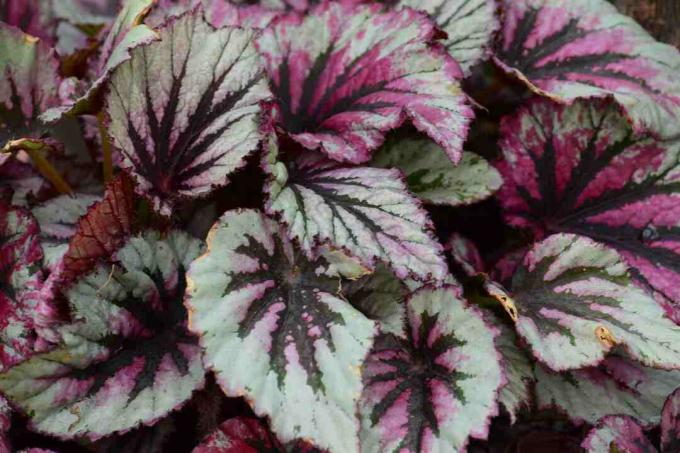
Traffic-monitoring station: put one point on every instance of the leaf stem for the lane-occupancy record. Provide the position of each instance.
(107, 159)
(35, 150)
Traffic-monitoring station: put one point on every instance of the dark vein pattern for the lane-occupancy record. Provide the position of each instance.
(127, 353)
(419, 389)
(582, 169)
(184, 110)
(578, 48)
(368, 211)
(276, 329)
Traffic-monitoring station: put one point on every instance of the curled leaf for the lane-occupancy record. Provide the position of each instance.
(127, 354)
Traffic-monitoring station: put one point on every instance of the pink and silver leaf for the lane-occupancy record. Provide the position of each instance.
(575, 301)
(380, 296)
(276, 329)
(568, 49)
(126, 356)
(184, 110)
(616, 386)
(670, 423)
(371, 69)
(617, 433)
(582, 169)
(29, 84)
(365, 210)
(34, 17)
(470, 26)
(20, 281)
(435, 388)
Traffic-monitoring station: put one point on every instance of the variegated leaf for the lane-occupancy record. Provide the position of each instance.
(616, 386)
(617, 433)
(5, 424)
(58, 218)
(577, 48)
(28, 86)
(20, 279)
(126, 33)
(670, 423)
(276, 329)
(575, 302)
(369, 69)
(431, 391)
(127, 357)
(582, 169)
(516, 393)
(364, 210)
(184, 110)
(433, 177)
(470, 26)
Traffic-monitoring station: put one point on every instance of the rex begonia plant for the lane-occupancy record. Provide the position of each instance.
(341, 226)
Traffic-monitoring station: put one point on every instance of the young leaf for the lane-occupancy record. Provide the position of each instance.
(184, 110)
(20, 256)
(576, 48)
(127, 358)
(275, 329)
(431, 391)
(126, 33)
(104, 228)
(58, 218)
(366, 211)
(617, 433)
(239, 435)
(581, 169)
(369, 70)
(470, 26)
(434, 178)
(29, 84)
(575, 301)
(670, 423)
(616, 386)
